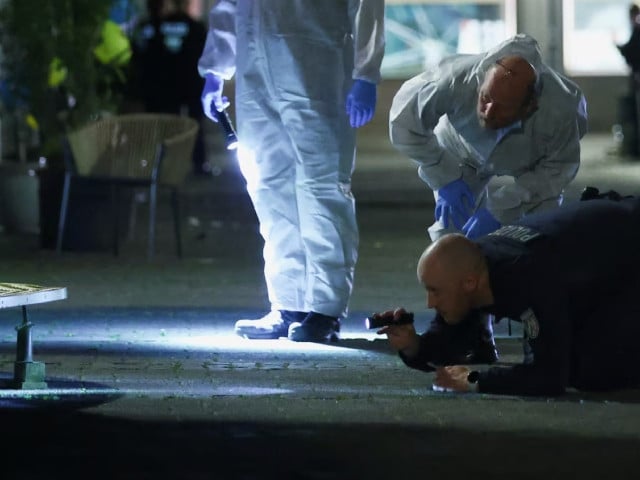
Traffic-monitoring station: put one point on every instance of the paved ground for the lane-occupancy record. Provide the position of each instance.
(147, 379)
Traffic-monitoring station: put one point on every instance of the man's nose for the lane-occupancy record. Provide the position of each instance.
(488, 109)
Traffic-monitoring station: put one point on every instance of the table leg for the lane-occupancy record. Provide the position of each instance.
(27, 374)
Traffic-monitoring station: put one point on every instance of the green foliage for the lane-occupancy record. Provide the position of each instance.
(36, 34)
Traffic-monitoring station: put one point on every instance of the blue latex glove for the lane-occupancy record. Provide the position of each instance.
(211, 97)
(455, 203)
(361, 103)
(480, 223)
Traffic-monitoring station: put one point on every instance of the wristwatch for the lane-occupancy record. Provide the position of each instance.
(472, 379)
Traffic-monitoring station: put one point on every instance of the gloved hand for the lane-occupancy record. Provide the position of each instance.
(455, 202)
(480, 223)
(361, 102)
(211, 97)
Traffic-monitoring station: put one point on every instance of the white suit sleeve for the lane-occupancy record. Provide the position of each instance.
(219, 53)
(367, 19)
(545, 182)
(415, 112)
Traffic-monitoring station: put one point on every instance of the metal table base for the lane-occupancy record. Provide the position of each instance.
(27, 373)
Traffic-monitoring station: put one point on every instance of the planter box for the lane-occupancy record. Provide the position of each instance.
(19, 203)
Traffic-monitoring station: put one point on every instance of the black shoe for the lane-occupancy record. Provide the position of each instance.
(315, 328)
(592, 193)
(273, 325)
(484, 353)
(589, 193)
(485, 350)
(469, 342)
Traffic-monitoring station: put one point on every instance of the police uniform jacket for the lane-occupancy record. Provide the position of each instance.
(550, 271)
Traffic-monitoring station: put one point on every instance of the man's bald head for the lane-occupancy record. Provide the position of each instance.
(508, 92)
(454, 253)
(518, 76)
(452, 270)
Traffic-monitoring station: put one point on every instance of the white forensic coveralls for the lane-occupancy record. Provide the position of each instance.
(294, 62)
(433, 120)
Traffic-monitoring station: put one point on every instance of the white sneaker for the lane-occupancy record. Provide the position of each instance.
(274, 324)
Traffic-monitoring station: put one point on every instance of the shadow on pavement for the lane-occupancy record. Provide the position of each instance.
(83, 445)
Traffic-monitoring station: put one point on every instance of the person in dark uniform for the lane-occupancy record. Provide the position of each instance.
(166, 49)
(570, 275)
(631, 49)
(631, 53)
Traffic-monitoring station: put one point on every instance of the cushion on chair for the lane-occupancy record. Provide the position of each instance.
(128, 147)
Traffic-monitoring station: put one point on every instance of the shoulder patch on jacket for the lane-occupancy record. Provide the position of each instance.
(530, 324)
(519, 233)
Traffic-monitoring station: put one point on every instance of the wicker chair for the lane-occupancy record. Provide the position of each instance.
(131, 151)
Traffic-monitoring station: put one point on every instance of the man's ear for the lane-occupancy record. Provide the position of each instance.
(470, 283)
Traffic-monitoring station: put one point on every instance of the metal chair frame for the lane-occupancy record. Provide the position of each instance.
(114, 150)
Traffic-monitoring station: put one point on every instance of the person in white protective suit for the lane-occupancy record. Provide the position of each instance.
(474, 118)
(306, 75)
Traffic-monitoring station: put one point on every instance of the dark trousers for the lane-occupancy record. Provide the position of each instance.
(606, 349)
(635, 95)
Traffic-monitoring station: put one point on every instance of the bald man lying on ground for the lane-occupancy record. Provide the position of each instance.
(473, 118)
(570, 275)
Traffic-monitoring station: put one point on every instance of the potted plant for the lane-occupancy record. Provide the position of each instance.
(63, 64)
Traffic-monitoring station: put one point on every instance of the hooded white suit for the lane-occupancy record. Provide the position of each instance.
(433, 120)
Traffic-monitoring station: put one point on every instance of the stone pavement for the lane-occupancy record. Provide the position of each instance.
(147, 380)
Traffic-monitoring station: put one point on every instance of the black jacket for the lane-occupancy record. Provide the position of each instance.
(631, 50)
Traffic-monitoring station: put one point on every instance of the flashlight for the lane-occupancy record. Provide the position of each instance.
(230, 137)
(379, 322)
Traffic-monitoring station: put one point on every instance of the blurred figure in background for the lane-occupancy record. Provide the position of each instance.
(630, 108)
(166, 48)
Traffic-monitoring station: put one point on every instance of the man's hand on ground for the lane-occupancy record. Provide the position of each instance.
(453, 379)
